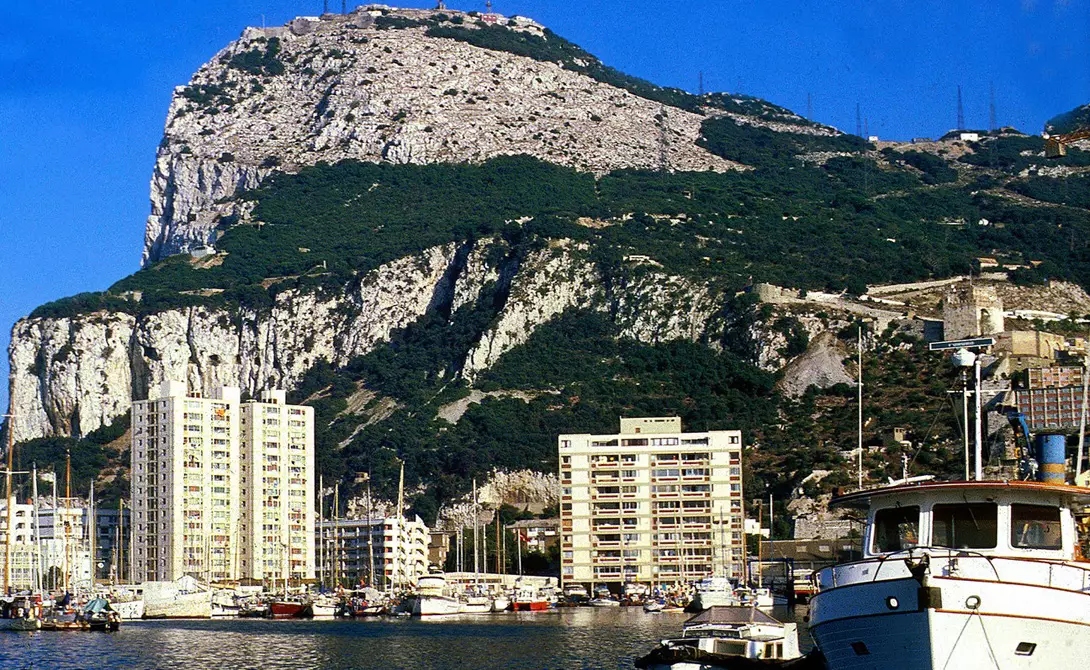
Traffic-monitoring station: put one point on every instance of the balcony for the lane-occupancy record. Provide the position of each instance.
(602, 465)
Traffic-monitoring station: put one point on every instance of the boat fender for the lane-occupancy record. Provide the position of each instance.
(929, 597)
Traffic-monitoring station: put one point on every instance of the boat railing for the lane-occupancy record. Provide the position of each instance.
(946, 562)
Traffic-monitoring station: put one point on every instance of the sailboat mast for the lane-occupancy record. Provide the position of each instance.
(91, 531)
(859, 386)
(11, 505)
(120, 553)
(321, 532)
(37, 529)
(67, 518)
(476, 540)
(370, 539)
(400, 521)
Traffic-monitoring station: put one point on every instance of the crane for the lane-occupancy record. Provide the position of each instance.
(1056, 145)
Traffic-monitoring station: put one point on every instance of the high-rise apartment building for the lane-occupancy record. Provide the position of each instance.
(651, 504)
(277, 456)
(202, 482)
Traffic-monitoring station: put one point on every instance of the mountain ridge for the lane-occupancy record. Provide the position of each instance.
(292, 246)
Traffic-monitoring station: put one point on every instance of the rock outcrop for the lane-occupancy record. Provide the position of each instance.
(821, 365)
(371, 86)
(72, 375)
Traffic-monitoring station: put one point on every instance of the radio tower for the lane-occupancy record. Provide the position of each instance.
(991, 106)
(325, 6)
(344, 6)
(961, 111)
(487, 6)
(700, 84)
(858, 121)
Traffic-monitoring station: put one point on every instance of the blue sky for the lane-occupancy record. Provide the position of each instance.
(85, 85)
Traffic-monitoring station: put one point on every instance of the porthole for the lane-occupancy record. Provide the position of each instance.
(892, 603)
(973, 602)
(1025, 648)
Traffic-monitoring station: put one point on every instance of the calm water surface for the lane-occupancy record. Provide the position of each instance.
(569, 638)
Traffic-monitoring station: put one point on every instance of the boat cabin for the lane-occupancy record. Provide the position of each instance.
(990, 518)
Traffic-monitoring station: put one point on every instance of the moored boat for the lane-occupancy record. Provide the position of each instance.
(724, 637)
(433, 596)
(967, 575)
(714, 591)
(529, 598)
(286, 609)
(183, 598)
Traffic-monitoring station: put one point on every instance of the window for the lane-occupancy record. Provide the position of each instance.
(965, 526)
(896, 528)
(1035, 527)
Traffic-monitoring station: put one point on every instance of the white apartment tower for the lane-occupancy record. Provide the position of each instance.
(651, 504)
(193, 485)
(277, 458)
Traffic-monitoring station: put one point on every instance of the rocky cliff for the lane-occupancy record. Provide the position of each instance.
(72, 375)
(372, 85)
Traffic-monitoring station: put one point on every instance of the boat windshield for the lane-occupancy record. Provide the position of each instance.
(1035, 527)
(896, 529)
(965, 525)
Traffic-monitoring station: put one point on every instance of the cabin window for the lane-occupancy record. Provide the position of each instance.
(1035, 527)
(965, 526)
(896, 529)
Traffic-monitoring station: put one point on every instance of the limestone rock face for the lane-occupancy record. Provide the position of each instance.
(352, 87)
(822, 365)
(71, 375)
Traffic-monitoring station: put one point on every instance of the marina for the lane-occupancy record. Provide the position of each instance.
(583, 637)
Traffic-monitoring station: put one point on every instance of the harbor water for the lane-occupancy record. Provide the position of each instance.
(565, 638)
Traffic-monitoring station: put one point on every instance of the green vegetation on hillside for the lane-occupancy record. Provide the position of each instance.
(1070, 121)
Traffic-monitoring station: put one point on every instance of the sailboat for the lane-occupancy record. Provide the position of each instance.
(19, 613)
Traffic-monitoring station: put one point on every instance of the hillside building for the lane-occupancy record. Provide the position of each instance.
(971, 310)
(216, 499)
(651, 504)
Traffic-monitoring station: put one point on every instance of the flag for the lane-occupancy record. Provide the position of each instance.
(47, 476)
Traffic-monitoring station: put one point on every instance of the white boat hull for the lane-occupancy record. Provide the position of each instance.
(324, 611)
(476, 608)
(501, 604)
(1014, 626)
(131, 610)
(435, 606)
(182, 606)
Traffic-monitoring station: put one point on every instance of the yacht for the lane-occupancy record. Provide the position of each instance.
(719, 636)
(183, 598)
(966, 574)
(529, 598)
(475, 601)
(713, 592)
(433, 596)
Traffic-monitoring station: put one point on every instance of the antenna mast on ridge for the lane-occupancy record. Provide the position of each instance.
(991, 106)
(961, 111)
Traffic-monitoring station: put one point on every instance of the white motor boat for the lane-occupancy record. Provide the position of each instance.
(501, 603)
(129, 610)
(433, 596)
(323, 608)
(475, 601)
(719, 636)
(713, 592)
(970, 575)
(759, 597)
(183, 598)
